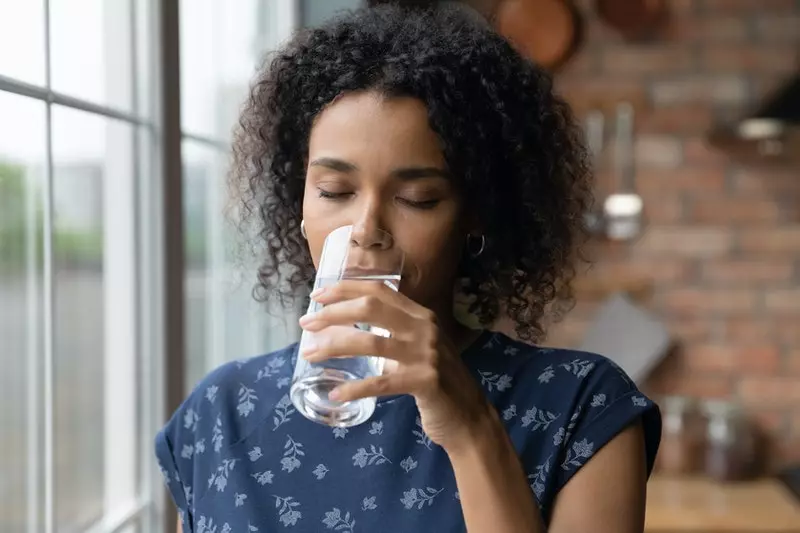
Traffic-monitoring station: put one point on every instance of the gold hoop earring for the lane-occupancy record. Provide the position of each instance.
(303, 229)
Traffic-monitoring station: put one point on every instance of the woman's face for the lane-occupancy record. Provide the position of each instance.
(374, 162)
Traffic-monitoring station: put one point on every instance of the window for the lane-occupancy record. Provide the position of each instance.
(221, 46)
(81, 280)
(74, 138)
(94, 330)
(22, 168)
(22, 31)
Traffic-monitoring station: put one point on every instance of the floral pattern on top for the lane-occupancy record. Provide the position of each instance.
(237, 456)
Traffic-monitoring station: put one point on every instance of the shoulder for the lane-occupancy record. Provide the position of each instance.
(222, 409)
(564, 405)
(543, 371)
(238, 393)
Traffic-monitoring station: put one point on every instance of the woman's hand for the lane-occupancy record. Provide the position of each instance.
(455, 413)
(420, 361)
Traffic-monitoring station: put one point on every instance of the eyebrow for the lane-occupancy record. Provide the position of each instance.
(334, 164)
(405, 174)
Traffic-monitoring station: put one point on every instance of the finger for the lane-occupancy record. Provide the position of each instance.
(350, 289)
(368, 309)
(400, 382)
(347, 341)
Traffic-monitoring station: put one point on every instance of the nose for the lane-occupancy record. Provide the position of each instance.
(367, 232)
(370, 238)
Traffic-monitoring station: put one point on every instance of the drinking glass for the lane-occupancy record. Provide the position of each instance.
(343, 259)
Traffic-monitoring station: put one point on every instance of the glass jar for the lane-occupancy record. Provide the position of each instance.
(681, 449)
(730, 442)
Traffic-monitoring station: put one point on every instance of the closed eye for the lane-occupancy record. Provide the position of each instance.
(425, 204)
(333, 195)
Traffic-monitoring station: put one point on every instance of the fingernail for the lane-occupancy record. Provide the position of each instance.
(317, 292)
(305, 320)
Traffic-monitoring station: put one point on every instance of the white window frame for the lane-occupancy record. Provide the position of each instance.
(140, 275)
(130, 410)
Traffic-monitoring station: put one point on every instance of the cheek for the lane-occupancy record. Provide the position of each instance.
(315, 238)
(432, 257)
(318, 224)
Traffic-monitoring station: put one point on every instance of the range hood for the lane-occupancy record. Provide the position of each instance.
(770, 135)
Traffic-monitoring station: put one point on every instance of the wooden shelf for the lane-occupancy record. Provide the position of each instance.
(694, 504)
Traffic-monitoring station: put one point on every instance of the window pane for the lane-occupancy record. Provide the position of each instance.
(145, 50)
(315, 12)
(94, 330)
(221, 44)
(22, 40)
(200, 167)
(90, 47)
(22, 150)
(223, 322)
(130, 528)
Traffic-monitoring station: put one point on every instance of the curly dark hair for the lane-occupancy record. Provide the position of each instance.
(510, 142)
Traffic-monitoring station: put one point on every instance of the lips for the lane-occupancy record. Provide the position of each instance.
(366, 271)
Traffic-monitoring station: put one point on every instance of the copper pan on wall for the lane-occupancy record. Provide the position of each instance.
(547, 31)
(633, 19)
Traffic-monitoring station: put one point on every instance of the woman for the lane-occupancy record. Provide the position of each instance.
(427, 125)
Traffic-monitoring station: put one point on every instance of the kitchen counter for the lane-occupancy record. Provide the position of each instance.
(697, 505)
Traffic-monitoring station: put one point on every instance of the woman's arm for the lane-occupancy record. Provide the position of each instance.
(454, 410)
(492, 486)
(608, 494)
(456, 415)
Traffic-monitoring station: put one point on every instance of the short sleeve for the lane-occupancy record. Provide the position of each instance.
(607, 402)
(193, 430)
(178, 481)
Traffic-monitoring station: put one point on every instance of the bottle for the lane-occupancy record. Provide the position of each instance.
(730, 449)
(682, 439)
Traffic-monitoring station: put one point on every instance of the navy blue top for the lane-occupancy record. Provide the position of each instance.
(237, 457)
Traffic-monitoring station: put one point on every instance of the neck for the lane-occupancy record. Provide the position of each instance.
(459, 335)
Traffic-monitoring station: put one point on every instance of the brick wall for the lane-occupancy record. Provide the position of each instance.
(723, 240)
